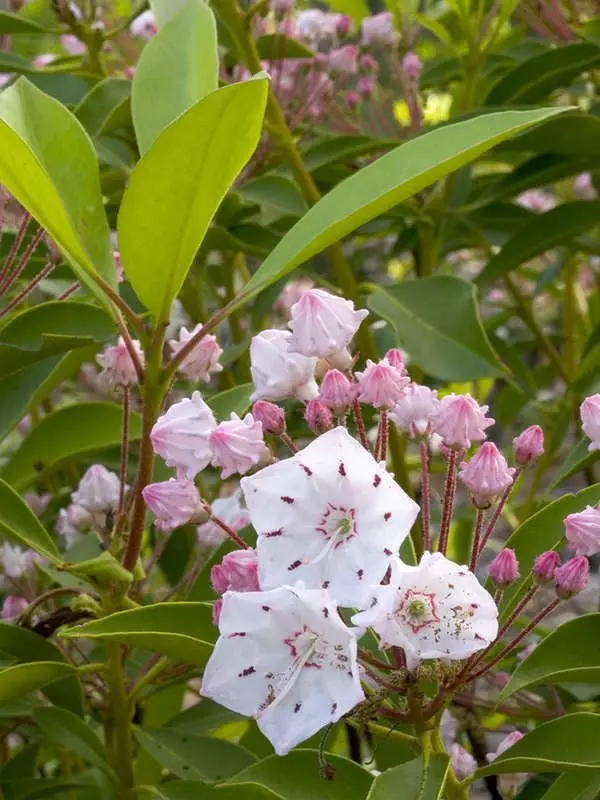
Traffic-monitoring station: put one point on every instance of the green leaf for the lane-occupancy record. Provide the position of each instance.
(388, 181)
(18, 681)
(194, 790)
(569, 654)
(236, 399)
(70, 732)
(194, 162)
(568, 743)
(437, 322)
(19, 522)
(66, 434)
(573, 134)
(296, 777)
(277, 192)
(185, 46)
(274, 46)
(106, 107)
(183, 631)
(542, 233)
(165, 10)
(531, 81)
(14, 24)
(575, 786)
(49, 329)
(55, 178)
(579, 458)
(199, 758)
(25, 645)
(412, 781)
(17, 389)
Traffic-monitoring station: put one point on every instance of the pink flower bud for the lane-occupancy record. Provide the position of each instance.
(174, 502)
(181, 435)
(337, 392)
(343, 60)
(237, 445)
(352, 99)
(282, 6)
(486, 475)
(463, 763)
(545, 566)
(292, 292)
(501, 679)
(238, 572)
(395, 357)
(365, 87)
(413, 412)
(504, 569)
(460, 420)
(589, 411)
(270, 416)
(13, 606)
(378, 29)
(144, 25)
(529, 445)
(118, 368)
(583, 531)
(368, 65)
(318, 417)
(343, 26)
(204, 358)
(412, 66)
(119, 271)
(72, 44)
(381, 385)
(572, 577)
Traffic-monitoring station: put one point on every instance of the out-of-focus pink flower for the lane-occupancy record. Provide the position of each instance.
(343, 60)
(181, 436)
(270, 416)
(536, 200)
(144, 26)
(583, 531)
(98, 493)
(460, 420)
(572, 577)
(71, 522)
(38, 503)
(73, 45)
(43, 59)
(378, 30)
(204, 358)
(589, 412)
(413, 412)
(381, 385)
(584, 187)
(318, 417)
(174, 502)
(504, 569)
(507, 742)
(237, 445)
(13, 606)
(545, 566)
(316, 25)
(337, 392)
(282, 6)
(292, 292)
(412, 66)
(119, 271)
(117, 365)
(238, 572)
(352, 99)
(486, 475)
(368, 65)
(365, 87)
(344, 26)
(529, 445)
(463, 762)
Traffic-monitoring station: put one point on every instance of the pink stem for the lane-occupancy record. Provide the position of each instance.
(497, 511)
(448, 501)
(15, 246)
(425, 511)
(8, 280)
(124, 452)
(230, 532)
(288, 443)
(360, 424)
(27, 289)
(381, 453)
(68, 292)
(476, 537)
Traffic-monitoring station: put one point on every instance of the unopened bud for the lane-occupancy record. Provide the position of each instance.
(572, 577)
(318, 417)
(343, 26)
(529, 445)
(544, 567)
(504, 569)
(271, 416)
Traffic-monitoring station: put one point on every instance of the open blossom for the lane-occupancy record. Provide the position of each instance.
(174, 502)
(317, 25)
(329, 516)
(486, 475)
(285, 658)
(590, 420)
(144, 25)
(238, 572)
(378, 29)
(204, 358)
(460, 420)
(413, 412)
(15, 562)
(437, 609)
(529, 445)
(117, 364)
(381, 385)
(277, 372)
(237, 445)
(228, 509)
(98, 494)
(181, 436)
(323, 325)
(583, 531)
(337, 392)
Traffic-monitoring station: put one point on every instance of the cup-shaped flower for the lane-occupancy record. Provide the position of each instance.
(583, 531)
(337, 392)
(98, 493)
(529, 445)
(231, 512)
(460, 420)
(589, 412)
(117, 364)
(237, 445)
(413, 412)
(237, 572)
(437, 609)
(572, 577)
(277, 372)
(381, 385)
(323, 325)
(204, 358)
(181, 436)
(286, 658)
(486, 475)
(174, 502)
(329, 516)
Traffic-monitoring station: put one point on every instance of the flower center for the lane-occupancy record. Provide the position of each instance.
(417, 609)
(337, 525)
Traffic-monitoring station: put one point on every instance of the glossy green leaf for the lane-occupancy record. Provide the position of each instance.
(273, 46)
(185, 46)
(198, 758)
(19, 522)
(183, 631)
(571, 653)
(18, 681)
(49, 329)
(546, 231)
(573, 134)
(194, 162)
(16, 391)
(70, 732)
(66, 434)
(532, 80)
(26, 646)
(14, 24)
(55, 177)
(438, 324)
(166, 10)
(106, 106)
(412, 781)
(236, 399)
(388, 181)
(276, 192)
(568, 743)
(575, 786)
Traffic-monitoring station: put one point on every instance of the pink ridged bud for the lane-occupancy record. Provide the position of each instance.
(216, 611)
(463, 763)
(318, 417)
(413, 412)
(381, 385)
(529, 445)
(117, 365)
(486, 475)
(368, 65)
(589, 412)
(13, 606)
(270, 416)
(504, 569)
(343, 60)
(237, 445)
(204, 357)
(238, 572)
(545, 566)
(352, 99)
(337, 392)
(583, 531)
(365, 87)
(395, 357)
(343, 26)
(174, 502)
(460, 420)
(507, 742)
(412, 66)
(572, 577)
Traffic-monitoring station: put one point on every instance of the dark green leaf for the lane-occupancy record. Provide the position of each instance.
(273, 46)
(575, 786)
(574, 134)
(105, 107)
(236, 399)
(19, 522)
(18, 681)
(16, 391)
(277, 192)
(437, 322)
(194, 790)
(412, 781)
(70, 732)
(13, 24)
(579, 458)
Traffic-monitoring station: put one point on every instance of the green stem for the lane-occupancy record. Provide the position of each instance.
(119, 723)
(148, 677)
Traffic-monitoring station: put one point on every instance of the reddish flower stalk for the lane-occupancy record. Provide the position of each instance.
(15, 246)
(287, 440)
(8, 279)
(475, 552)
(382, 438)
(27, 289)
(360, 424)
(425, 511)
(68, 292)
(139, 370)
(230, 532)
(448, 506)
(124, 452)
(497, 511)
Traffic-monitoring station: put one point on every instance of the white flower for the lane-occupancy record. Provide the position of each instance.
(98, 494)
(317, 25)
(437, 609)
(14, 560)
(286, 658)
(279, 374)
(181, 436)
(330, 516)
(414, 410)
